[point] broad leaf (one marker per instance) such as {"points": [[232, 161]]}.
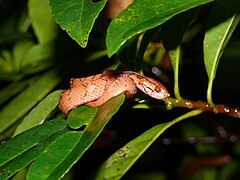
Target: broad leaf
{"points": [[77, 17], [21, 150], [54, 157], [120, 162], [22, 103], [38, 57], [39, 114], [221, 24], [60, 156], [43, 23], [11, 90], [143, 15], [20, 49]]}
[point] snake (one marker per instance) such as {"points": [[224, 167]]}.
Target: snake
{"points": [[96, 90]]}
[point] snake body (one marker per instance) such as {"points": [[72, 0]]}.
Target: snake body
{"points": [[98, 89]]}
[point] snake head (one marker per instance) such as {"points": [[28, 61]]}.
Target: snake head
{"points": [[160, 92], [153, 88]]}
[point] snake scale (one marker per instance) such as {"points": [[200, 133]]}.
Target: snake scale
{"points": [[98, 89]]}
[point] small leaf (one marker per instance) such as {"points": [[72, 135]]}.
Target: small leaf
{"points": [[39, 114], [22, 103], [43, 23], [71, 146], [21, 150], [120, 162], [77, 17], [220, 26], [143, 15]]}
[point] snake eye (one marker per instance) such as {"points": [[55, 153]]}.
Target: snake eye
{"points": [[158, 89]]}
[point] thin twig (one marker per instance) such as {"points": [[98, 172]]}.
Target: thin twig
{"points": [[220, 108]]}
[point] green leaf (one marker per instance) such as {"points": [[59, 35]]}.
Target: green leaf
{"points": [[175, 56], [60, 156], [38, 57], [51, 161], [230, 170], [81, 116], [146, 39], [7, 64], [221, 23], [32, 58], [40, 113], [119, 163], [20, 49], [22, 103], [43, 23], [21, 150], [77, 17], [11, 90], [143, 15], [172, 41], [127, 53]]}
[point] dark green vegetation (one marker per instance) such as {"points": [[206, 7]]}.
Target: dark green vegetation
{"points": [[195, 43]]}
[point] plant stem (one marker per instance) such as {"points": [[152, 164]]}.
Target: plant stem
{"points": [[209, 93], [204, 106]]}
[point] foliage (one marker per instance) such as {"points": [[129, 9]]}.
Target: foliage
{"points": [[195, 43]]}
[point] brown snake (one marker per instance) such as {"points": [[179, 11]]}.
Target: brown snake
{"points": [[96, 90]]}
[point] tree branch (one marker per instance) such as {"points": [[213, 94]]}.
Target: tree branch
{"points": [[220, 108]]}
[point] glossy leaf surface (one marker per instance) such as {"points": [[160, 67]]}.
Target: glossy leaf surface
{"points": [[20, 151], [22, 103], [143, 15], [219, 30], [39, 114], [42, 21], [120, 162], [60, 156], [76, 17]]}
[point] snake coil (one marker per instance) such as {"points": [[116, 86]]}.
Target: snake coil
{"points": [[96, 90]]}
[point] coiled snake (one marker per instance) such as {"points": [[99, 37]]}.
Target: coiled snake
{"points": [[98, 89]]}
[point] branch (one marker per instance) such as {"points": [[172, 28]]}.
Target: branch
{"points": [[220, 108]]}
